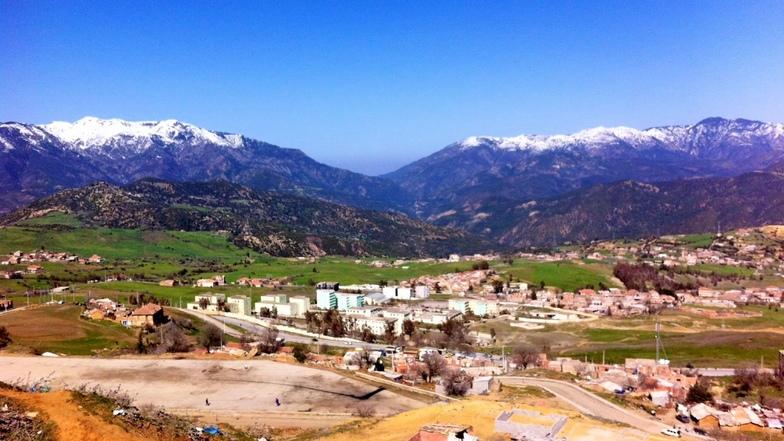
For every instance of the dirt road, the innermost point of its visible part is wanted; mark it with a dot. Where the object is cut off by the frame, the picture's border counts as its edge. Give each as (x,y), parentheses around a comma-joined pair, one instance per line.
(186,385)
(589,403)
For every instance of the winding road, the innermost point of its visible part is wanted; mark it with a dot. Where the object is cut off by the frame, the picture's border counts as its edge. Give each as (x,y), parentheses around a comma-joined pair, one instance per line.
(588,403)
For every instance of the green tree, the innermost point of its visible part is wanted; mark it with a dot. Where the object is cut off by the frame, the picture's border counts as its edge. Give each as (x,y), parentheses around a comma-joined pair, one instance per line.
(389,332)
(700,392)
(300,354)
(409,327)
(210,336)
(5,337)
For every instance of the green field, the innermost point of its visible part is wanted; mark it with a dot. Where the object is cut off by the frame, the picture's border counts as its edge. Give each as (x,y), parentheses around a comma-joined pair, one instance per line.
(58,329)
(565,275)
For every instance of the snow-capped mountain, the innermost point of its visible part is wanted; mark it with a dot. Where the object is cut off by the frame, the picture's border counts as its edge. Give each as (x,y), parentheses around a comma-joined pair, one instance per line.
(105,135)
(464,183)
(42,159)
(475,184)
(674,138)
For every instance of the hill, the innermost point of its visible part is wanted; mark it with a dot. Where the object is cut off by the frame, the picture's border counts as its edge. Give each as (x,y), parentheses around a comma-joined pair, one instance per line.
(632,210)
(276,224)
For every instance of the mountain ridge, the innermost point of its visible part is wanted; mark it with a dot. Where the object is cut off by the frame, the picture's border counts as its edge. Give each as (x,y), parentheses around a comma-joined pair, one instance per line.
(118,151)
(269,222)
(461,182)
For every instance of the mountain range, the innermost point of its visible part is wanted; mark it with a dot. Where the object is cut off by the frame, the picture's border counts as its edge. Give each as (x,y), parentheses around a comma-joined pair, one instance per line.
(268,222)
(42,159)
(486,185)
(462,184)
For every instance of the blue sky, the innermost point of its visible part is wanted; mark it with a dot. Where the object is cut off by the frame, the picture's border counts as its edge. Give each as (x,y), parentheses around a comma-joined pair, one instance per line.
(371,85)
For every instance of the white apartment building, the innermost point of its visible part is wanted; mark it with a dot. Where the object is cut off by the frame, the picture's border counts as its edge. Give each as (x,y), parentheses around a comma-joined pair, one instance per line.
(239,304)
(326,299)
(346,300)
(212,299)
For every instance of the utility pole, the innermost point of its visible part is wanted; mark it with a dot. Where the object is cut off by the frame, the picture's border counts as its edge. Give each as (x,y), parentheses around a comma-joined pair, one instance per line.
(658,327)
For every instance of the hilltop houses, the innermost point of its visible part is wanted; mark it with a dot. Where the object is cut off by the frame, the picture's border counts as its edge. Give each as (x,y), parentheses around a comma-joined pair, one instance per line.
(211,282)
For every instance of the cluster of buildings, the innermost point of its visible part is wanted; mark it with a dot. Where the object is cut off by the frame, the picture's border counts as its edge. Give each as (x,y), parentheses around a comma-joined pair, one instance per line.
(20,258)
(618,302)
(108,309)
(746,418)
(33,258)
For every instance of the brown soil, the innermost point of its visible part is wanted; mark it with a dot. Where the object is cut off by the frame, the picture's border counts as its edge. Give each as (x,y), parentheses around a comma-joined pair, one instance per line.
(72,422)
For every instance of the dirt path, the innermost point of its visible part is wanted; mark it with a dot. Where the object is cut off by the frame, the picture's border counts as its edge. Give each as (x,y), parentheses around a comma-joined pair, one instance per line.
(72,423)
(304,420)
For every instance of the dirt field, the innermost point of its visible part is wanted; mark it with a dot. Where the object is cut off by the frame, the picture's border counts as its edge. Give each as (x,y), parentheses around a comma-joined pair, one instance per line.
(185,385)
(481,415)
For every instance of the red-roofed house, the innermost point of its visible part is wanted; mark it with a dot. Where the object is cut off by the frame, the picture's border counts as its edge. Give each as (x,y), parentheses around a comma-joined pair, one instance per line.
(148,314)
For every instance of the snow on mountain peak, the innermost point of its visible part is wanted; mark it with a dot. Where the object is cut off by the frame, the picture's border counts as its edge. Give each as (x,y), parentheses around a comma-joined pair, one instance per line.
(91,132)
(546,142)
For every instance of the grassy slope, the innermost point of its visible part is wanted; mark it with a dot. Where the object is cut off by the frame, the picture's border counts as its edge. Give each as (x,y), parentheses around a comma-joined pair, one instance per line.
(59,329)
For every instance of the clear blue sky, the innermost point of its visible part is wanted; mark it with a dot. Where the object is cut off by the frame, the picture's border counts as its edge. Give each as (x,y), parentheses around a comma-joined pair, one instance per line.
(373,85)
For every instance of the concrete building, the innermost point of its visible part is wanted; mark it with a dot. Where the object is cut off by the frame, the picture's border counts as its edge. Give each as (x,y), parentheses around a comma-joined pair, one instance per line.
(459,305)
(346,300)
(326,299)
(274,298)
(296,306)
(422,292)
(302,304)
(437,318)
(399,315)
(212,300)
(366,311)
(376,298)
(239,304)
(390,292)
(377,325)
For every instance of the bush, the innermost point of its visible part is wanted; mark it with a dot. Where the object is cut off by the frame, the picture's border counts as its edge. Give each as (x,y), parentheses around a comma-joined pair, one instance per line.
(5,337)
(700,392)
(300,354)
(456,382)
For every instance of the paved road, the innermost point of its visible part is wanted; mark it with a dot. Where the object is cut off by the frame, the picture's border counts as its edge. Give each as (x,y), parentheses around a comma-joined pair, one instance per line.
(219,320)
(589,403)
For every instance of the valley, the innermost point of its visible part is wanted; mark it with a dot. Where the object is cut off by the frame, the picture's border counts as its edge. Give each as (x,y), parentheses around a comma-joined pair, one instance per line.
(703,328)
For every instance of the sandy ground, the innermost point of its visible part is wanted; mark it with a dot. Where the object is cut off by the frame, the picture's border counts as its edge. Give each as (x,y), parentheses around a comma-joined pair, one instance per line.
(72,423)
(481,414)
(314,397)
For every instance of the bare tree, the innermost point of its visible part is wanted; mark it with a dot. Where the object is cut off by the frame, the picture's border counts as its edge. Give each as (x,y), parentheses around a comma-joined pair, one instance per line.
(174,338)
(434,364)
(361,358)
(456,381)
(268,341)
(544,343)
(526,355)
